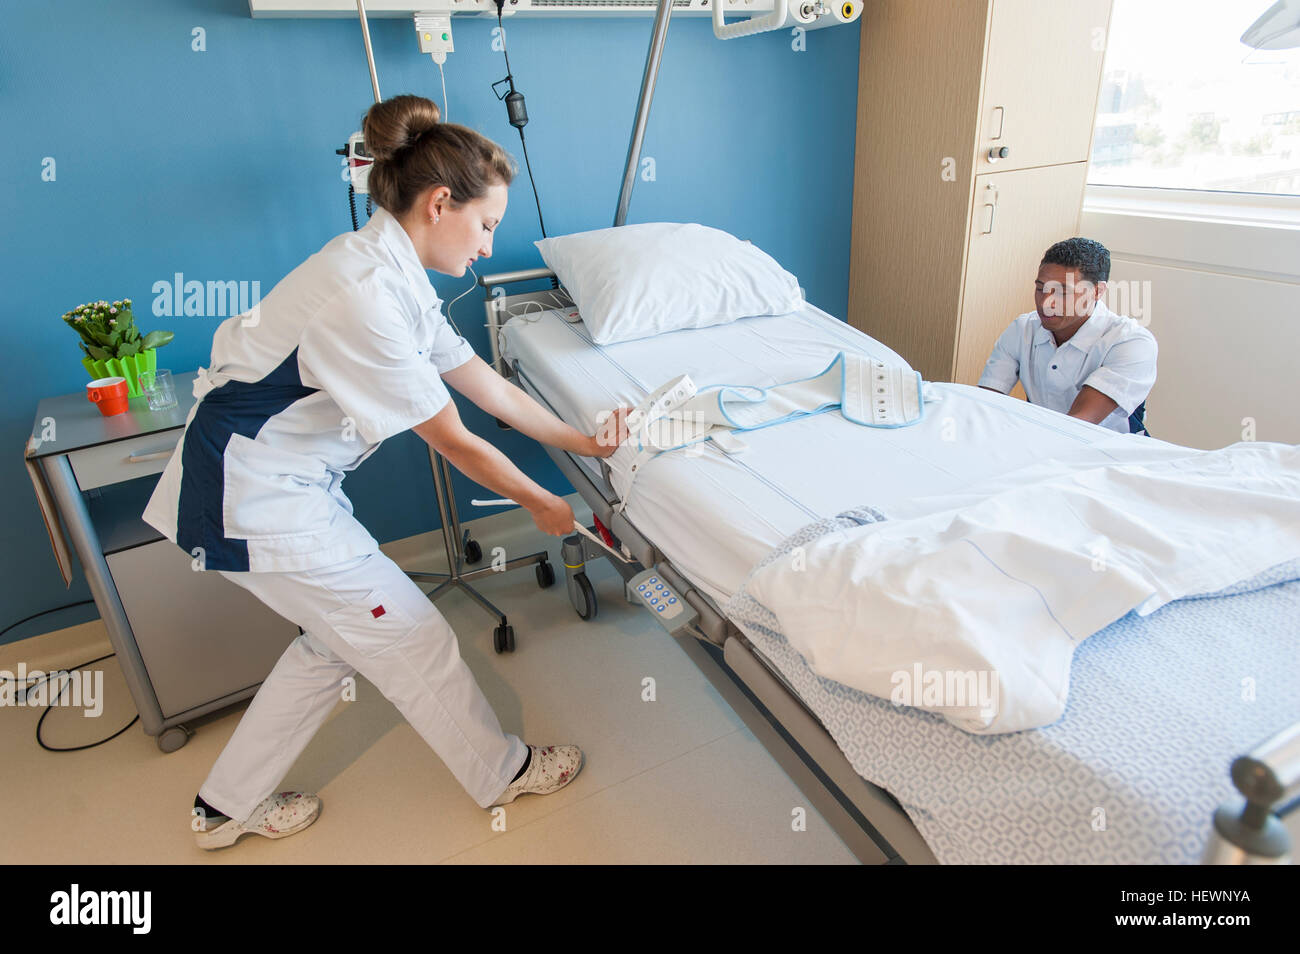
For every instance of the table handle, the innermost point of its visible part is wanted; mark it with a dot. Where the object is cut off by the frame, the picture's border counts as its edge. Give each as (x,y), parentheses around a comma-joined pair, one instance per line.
(141,458)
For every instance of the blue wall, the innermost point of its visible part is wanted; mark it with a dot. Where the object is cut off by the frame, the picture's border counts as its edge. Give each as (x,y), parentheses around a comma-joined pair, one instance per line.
(220,164)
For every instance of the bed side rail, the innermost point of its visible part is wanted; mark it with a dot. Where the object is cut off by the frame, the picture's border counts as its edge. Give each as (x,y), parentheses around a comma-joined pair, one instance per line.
(1249,829)
(495,308)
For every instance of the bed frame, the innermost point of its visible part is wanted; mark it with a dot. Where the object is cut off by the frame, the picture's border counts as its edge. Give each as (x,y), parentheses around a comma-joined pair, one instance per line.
(867,818)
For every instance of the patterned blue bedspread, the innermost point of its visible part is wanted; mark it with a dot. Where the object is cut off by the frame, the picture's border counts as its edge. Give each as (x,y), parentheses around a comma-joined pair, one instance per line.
(1159,707)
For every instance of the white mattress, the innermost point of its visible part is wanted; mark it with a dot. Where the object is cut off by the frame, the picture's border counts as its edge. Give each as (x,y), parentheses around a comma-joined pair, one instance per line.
(716,516)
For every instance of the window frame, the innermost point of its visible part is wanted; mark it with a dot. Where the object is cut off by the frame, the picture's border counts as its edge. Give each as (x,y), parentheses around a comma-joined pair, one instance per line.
(1250,234)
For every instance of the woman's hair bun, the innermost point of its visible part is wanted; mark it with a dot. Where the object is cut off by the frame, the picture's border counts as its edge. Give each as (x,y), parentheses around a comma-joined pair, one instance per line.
(398,123)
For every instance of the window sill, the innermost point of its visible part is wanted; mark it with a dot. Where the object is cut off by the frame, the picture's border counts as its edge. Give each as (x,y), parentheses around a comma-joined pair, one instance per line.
(1247,234)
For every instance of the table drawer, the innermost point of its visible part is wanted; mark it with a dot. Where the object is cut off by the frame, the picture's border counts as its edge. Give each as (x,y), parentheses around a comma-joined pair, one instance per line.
(124,460)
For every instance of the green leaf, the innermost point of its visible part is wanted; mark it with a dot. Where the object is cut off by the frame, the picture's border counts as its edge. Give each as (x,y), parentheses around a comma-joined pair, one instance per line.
(128,349)
(156,339)
(99,354)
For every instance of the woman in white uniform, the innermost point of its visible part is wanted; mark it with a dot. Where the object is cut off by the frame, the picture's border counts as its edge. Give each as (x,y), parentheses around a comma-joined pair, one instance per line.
(349,349)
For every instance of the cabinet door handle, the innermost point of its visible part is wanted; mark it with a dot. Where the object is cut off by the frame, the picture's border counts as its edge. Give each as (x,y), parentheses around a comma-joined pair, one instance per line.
(992,207)
(141,458)
(1000,114)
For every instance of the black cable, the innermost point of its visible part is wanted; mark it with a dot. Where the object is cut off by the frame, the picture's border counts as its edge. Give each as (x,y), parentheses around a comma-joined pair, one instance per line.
(42,613)
(518,118)
(62,689)
(529,167)
(45,677)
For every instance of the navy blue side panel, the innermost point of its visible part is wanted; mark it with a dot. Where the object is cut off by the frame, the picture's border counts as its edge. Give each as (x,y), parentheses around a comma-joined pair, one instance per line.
(237,407)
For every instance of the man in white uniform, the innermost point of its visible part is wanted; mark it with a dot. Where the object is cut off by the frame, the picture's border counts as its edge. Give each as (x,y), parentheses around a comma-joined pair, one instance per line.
(1073,354)
(348,349)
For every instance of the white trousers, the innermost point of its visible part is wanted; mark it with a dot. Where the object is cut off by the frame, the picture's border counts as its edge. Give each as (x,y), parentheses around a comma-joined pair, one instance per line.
(364,615)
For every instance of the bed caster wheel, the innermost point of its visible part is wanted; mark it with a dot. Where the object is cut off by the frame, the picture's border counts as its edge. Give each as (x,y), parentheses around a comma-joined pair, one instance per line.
(582,596)
(473,552)
(545,575)
(172,739)
(503,639)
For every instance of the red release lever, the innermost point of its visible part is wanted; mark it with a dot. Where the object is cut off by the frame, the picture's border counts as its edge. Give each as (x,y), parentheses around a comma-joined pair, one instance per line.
(604,533)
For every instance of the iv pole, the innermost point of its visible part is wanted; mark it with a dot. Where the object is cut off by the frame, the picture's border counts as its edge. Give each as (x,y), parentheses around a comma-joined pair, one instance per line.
(653,57)
(460,548)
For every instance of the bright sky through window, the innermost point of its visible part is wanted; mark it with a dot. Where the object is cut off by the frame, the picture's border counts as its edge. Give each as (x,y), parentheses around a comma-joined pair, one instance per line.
(1186,105)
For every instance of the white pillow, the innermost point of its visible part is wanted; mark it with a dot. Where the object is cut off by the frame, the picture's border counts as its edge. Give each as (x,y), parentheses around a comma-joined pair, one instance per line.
(635,281)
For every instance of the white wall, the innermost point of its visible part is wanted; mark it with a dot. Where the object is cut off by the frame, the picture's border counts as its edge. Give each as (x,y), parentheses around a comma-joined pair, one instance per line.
(1222,297)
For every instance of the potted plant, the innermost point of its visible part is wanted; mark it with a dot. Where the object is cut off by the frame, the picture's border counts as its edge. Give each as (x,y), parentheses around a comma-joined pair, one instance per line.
(112,343)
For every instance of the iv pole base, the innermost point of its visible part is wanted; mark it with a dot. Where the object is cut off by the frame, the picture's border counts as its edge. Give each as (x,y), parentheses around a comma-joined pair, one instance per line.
(462,550)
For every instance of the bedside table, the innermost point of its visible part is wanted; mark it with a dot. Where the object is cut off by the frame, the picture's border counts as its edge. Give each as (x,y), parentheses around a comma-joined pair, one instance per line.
(189,642)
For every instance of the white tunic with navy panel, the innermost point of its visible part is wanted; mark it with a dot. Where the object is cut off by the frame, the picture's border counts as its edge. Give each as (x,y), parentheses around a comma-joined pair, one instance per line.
(344,352)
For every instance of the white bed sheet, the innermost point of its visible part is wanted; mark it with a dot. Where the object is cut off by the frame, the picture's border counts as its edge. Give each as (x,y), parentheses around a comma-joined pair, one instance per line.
(714,516)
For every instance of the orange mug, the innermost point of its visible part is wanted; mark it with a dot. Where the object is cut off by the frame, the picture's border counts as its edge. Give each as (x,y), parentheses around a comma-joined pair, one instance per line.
(109,394)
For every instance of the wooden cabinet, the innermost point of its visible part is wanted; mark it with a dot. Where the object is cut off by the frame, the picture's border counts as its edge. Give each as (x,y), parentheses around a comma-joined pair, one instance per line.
(1017,215)
(1042,76)
(946,240)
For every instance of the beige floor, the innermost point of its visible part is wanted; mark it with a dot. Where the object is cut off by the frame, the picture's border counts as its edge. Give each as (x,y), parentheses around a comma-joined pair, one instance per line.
(677,780)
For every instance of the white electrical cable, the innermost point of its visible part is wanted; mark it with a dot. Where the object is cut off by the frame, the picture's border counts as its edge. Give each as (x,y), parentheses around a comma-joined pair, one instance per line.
(445,112)
(459,297)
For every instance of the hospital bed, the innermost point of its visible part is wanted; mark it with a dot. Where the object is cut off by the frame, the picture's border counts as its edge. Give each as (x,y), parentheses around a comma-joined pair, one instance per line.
(1157,709)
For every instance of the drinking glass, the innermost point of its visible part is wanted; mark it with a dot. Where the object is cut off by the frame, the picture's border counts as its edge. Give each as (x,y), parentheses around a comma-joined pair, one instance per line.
(158,389)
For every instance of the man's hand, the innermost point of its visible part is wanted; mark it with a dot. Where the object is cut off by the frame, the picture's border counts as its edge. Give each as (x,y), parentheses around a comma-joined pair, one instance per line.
(610,434)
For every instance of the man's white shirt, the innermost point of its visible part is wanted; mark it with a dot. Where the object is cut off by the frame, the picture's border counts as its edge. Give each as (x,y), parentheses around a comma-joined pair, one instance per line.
(1110,353)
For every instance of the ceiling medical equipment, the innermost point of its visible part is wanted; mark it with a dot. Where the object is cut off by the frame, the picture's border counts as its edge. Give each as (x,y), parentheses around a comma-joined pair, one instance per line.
(433,32)
(1277,29)
(809,14)
(779,17)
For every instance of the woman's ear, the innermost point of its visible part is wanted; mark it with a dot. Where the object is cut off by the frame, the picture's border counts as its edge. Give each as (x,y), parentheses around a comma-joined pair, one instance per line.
(438,201)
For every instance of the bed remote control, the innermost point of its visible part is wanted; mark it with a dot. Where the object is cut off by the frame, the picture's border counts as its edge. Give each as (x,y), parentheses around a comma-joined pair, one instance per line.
(664,603)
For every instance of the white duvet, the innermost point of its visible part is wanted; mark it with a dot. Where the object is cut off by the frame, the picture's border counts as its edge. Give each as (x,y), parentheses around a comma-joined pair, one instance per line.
(971,606)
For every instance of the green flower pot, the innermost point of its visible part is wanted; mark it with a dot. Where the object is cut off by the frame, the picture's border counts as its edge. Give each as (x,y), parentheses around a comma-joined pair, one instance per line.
(128,367)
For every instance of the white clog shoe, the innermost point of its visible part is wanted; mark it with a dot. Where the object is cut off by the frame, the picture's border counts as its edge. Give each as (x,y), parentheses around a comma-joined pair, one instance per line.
(279,815)
(552,767)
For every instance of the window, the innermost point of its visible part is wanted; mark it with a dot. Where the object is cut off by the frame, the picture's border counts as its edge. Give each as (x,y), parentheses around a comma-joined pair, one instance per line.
(1185,104)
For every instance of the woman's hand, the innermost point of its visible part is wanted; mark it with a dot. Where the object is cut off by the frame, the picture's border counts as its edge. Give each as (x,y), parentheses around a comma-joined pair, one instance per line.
(554,516)
(610,434)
